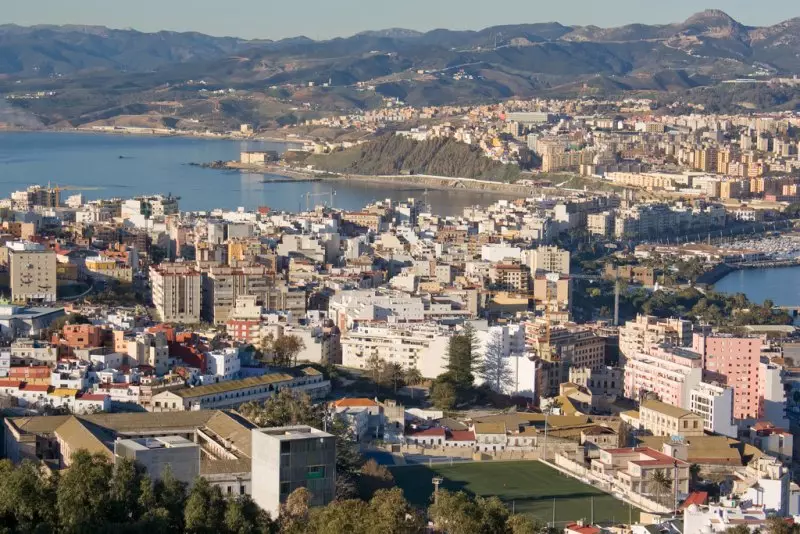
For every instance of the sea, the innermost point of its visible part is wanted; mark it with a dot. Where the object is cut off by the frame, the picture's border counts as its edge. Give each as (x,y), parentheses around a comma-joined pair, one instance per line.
(781,285)
(122,166)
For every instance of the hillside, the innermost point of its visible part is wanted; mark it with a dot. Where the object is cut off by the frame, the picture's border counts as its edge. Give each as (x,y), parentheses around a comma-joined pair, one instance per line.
(392,155)
(97,73)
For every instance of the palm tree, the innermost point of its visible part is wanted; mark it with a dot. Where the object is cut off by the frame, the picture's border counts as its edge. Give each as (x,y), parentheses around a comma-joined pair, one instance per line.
(659,484)
(412,376)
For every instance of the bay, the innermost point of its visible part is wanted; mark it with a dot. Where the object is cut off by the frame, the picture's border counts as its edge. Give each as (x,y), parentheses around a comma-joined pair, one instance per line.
(780,285)
(107,166)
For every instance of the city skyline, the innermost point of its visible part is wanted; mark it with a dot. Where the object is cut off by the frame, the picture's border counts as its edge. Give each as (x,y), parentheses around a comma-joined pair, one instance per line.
(353,16)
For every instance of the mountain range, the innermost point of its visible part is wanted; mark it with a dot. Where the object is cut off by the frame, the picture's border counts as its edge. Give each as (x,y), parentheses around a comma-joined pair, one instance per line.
(435,67)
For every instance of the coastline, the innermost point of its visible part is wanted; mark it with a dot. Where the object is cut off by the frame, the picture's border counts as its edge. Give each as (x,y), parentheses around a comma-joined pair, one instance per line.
(413,180)
(145,132)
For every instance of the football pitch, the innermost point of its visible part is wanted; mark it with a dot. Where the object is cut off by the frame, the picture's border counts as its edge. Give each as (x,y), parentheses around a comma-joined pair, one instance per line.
(531,488)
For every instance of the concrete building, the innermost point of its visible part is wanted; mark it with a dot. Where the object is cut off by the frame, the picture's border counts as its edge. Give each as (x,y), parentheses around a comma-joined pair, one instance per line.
(661,419)
(32,272)
(224,364)
(668,372)
(222,286)
(735,362)
(150,349)
(715,405)
(647,331)
(233,393)
(420,346)
(23,321)
(177,292)
(549,260)
(287,458)
(155,454)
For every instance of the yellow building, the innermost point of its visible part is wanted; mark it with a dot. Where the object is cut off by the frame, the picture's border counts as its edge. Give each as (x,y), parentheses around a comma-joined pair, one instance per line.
(109,269)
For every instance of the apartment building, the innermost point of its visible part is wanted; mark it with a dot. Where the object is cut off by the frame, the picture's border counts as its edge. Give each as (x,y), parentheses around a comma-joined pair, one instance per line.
(420,346)
(150,348)
(222,286)
(177,289)
(630,471)
(288,458)
(510,277)
(668,372)
(109,269)
(549,260)
(661,419)
(733,361)
(714,404)
(647,331)
(601,224)
(32,272)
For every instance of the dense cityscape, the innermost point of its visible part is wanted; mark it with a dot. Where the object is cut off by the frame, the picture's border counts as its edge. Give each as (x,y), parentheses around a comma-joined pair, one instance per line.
(561,358)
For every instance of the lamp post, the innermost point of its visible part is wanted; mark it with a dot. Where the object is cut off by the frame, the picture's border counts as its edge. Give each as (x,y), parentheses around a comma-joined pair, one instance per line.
(436,482)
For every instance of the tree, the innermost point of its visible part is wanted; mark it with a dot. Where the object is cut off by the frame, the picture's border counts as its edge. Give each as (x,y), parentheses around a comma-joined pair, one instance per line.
(205,508)
(519,524)
(349,516)
(443,393)
(81,497)
(778,525)
(124,491)
(463,357)
(243,516)
(412,376)
(286,349)
(284,409)
(265,345)
(27,498)
(373,477)
(375,368)
(294,515)
(394,374)
(660,483)
(738,529)
(694,472)
(171,496)
(390,513)
(493,514)
(455,513)
(494,369)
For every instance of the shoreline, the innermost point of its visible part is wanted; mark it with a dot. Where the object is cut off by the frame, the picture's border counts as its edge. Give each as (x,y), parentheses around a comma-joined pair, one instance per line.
(183,134)
(443,183)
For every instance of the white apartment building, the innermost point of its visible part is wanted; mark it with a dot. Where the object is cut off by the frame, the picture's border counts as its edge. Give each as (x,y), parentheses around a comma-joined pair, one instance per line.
(715,404)
(347,308)
(223,364)
(177,292)
(420,346)
(32,272)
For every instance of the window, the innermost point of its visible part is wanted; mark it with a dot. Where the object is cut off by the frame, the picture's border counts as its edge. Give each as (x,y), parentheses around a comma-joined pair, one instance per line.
(315,471)
(285,488)
(285,447)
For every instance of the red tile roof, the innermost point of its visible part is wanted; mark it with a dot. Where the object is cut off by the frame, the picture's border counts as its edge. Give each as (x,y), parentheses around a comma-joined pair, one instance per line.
(574,527)
(696,497)
(461,435)
(437,432)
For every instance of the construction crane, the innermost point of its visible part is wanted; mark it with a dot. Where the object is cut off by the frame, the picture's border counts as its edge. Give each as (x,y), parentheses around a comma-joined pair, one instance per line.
(308,196)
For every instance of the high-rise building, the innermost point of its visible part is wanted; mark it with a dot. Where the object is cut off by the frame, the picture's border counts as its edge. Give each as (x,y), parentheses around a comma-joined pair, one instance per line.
(549,259)
(646,332)
(735,362)
(177,292)
(668,372)
(223,285)
(287,458)
(715,404)
(33,272)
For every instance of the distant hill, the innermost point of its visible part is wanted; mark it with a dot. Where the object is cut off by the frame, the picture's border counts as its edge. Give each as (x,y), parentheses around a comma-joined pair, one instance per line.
(392,155)
(96,71)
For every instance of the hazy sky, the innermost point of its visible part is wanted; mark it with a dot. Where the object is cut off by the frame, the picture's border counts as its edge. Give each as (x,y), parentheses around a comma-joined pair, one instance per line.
(318,19)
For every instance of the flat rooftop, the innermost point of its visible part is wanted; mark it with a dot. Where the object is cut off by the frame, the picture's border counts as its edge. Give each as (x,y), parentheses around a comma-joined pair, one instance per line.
(288,433)
(163,442)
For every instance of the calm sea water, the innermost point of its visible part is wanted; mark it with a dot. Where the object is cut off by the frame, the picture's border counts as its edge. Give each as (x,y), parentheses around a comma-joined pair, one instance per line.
(91,164)
(781,285)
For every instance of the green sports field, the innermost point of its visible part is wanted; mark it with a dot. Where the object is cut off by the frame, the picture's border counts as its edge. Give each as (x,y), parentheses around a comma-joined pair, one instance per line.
(528,487)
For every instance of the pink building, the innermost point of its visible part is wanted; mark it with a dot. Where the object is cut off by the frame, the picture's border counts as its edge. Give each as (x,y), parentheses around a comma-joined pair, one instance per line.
(669,372)
(735,362)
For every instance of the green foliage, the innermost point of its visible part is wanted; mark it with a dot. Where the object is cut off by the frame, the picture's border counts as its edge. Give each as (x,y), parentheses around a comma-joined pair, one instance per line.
(94,496)
(284,409)
(443,392)
(393,155)
(373,477)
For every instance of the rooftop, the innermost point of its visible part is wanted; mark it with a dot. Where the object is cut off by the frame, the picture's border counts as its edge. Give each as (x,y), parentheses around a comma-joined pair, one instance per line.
(232,385)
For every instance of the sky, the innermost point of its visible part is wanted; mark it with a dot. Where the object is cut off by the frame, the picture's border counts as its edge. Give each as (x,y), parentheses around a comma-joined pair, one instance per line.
(322,19)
